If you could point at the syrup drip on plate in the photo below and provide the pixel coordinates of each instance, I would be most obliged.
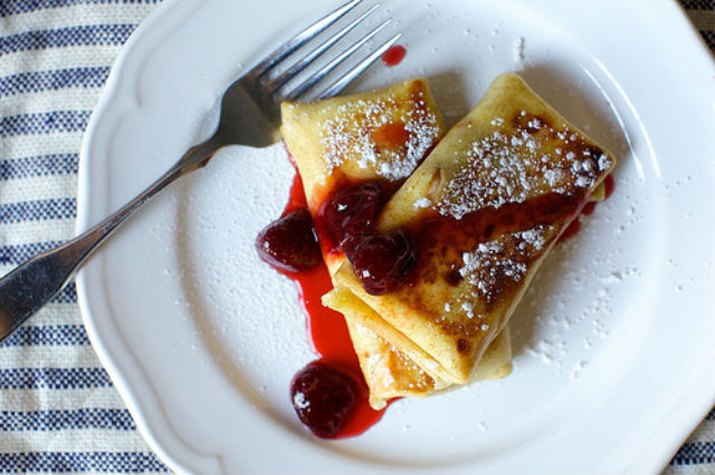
(394, 55)
(337, 372)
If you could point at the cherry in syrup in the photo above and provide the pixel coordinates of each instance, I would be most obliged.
(339, 403)
(351, 212)
(323, 397)
(382, 262)
(290, 244)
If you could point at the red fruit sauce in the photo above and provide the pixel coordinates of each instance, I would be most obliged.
(329, 332)
(394, 55)
(346, 222)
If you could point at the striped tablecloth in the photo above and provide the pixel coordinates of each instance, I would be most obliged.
(58, 409)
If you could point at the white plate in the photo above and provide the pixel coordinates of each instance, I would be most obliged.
(613, 344)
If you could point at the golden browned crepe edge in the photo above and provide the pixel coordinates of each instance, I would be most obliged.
(392, 374)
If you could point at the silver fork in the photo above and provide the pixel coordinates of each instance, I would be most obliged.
(250, 115)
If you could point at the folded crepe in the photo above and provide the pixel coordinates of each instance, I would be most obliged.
(391, 373)
(483, 211)
(376, 136)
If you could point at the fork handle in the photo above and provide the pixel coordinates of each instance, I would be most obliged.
(26, 289)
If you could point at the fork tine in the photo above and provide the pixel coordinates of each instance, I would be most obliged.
(290, 46)
(299, 66)
(334, 63)
(338, 86)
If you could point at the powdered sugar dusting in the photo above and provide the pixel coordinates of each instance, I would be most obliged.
(489, 261)
(299, 400)
(512, 165)
(423, 202)
(350, 136)
(488, 268)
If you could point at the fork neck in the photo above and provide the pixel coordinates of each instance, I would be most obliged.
(198, 155)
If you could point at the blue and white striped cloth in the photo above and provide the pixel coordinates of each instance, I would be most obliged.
(58, 409)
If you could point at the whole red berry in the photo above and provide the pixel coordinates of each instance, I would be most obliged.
(382, 262)
(290, 243)
(323, 397)
(351, 212)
